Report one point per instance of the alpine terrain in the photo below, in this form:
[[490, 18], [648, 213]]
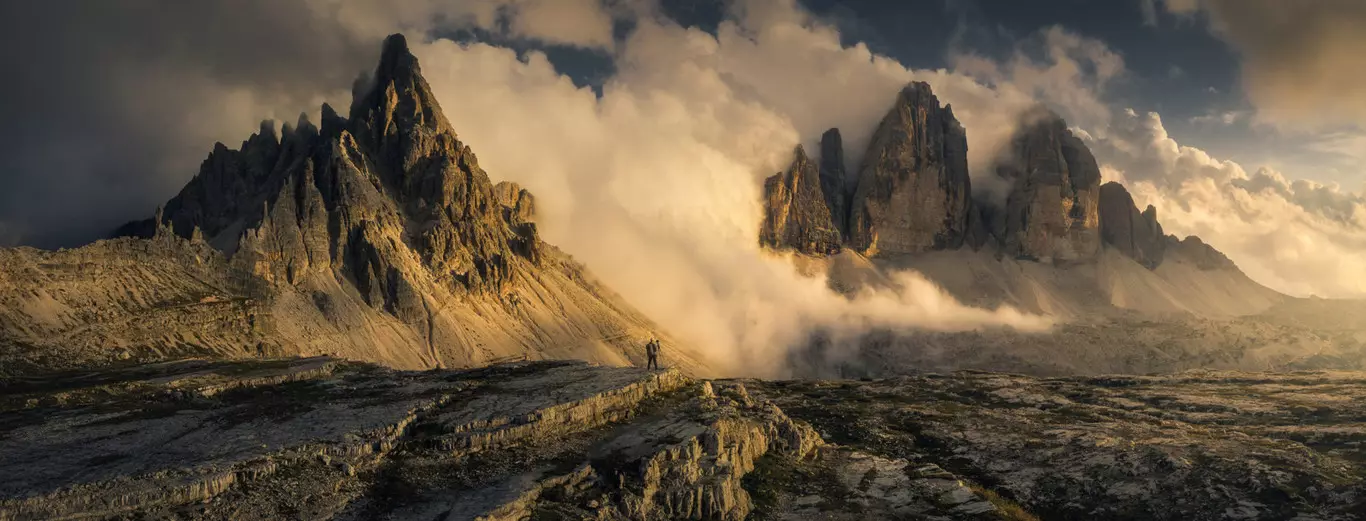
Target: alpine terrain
[[348, 320]]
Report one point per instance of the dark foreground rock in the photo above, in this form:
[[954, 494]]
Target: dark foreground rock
[[1192, 446], [319, 438]]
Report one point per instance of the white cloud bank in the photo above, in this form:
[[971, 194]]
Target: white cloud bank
[[655, 185], [1299, 237]]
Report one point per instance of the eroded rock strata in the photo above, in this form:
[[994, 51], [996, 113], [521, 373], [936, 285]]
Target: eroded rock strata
[[322, 438], [797, 216], [913, 191], [1052, 212]]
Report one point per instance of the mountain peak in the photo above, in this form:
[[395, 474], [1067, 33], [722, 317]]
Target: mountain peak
[[912, 189], [396, 60], [796, 214], [385, 217], [398, 98], [916, 89], [395, 46]]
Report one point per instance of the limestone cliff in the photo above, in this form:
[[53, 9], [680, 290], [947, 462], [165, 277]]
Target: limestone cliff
[[913, 192], [835, 183], [1052, 212], [1137, 235], [796, 214]]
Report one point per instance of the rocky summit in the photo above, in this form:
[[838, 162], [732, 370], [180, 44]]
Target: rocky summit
[[321, 438], [912, 195], [1137, 235], [913, 191], [797, 213], [1052, 212], [373, 236]]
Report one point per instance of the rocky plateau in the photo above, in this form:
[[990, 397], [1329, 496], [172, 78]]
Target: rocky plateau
[[323, 438]]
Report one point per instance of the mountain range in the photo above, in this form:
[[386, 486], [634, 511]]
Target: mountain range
[[376, 236], [1060, 242], [349, 320]]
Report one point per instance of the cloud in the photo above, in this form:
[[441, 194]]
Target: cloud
[[655, 184], [1227, 118], [1297, 237], [1072, 77], [98, 130], [1301, 61], [580, 23], [1148, 8]]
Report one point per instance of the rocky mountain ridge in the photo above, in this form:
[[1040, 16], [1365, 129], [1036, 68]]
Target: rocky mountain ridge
[[912, 194], [375, 236]]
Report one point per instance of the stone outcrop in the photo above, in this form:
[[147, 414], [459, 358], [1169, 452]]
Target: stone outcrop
[[1137, 235], [1052, 212], [913, 192], [519, 206], [796, 216]]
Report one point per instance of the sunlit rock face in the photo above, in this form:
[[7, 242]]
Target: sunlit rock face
[[373, 235], [1052, 212], [913, 192], [796, 216], [1137, 235]]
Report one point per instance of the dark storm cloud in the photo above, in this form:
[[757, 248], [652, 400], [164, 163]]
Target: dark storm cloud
[[109, 106], [1301, 61]]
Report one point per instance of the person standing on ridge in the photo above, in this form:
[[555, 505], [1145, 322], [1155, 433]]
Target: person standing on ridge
[[652, 354]]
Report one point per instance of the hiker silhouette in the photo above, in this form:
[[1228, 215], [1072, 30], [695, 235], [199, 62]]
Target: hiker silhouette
[[652, 354]]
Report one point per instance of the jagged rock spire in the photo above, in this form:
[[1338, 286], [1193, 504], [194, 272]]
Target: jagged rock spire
[[1136, 235], [913, 192], [399, 99], [834, 182], [796, 214], [1052, 211]]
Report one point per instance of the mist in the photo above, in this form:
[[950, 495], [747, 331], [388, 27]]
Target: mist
[[652, 179], [655, 184]]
